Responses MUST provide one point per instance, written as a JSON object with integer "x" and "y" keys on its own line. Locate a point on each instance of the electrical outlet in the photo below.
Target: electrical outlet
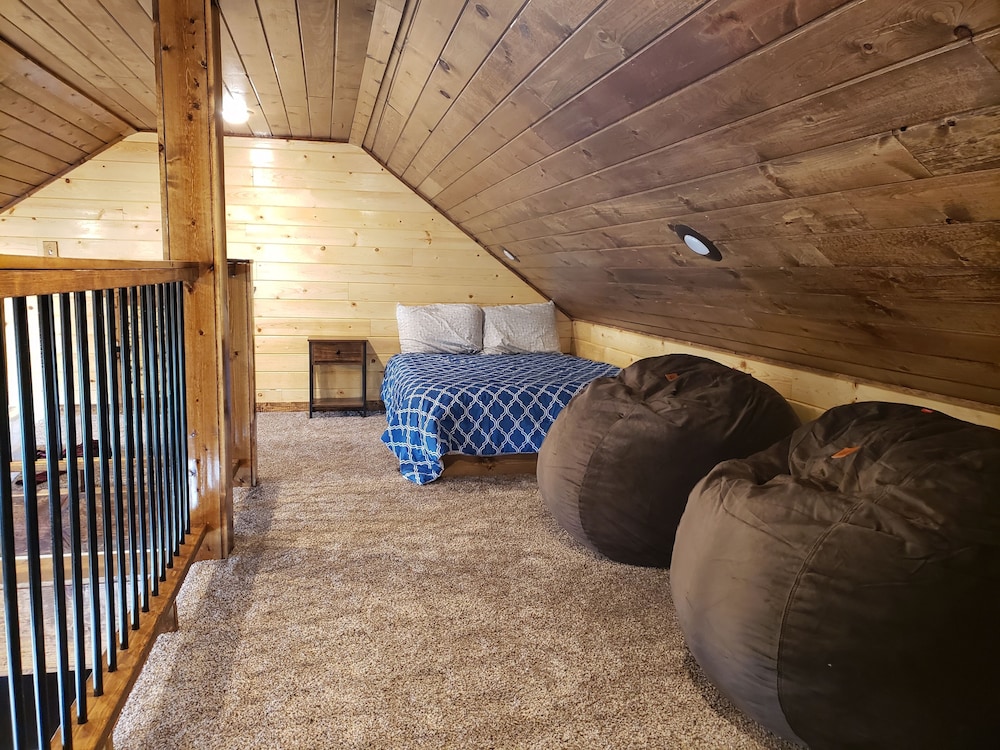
{"x": 50, "y": 248}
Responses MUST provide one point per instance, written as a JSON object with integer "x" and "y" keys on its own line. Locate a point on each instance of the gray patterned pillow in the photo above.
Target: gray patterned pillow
{"x": 440, "y": 329}
{"x": 520, "y": 329}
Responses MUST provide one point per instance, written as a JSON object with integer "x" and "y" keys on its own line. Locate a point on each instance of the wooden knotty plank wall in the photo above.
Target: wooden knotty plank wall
{"x": 336, "y": 241}
{"x": 810, "y": 392}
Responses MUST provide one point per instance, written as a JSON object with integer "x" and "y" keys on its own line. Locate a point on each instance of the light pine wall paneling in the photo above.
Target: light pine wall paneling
{"x": 336, "y": 242}
{"x": 107, "y": 207}
{"x": 809, "y": 392}
{"x": 332, "y": 260}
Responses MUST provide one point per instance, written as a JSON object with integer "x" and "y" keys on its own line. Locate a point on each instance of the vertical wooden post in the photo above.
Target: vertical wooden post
{"x": 189, "y": 86}
{"x": 244, "y": 412}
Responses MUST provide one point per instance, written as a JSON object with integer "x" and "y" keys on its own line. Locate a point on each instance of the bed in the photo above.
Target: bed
{"x": 475, "y": 404}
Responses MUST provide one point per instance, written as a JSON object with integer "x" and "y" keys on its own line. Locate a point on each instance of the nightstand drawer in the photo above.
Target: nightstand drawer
{"x": 337, "y": 351}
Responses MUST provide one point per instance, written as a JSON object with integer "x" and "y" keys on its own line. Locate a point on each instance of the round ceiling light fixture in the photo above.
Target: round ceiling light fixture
{"x": 234, "y": 109}
{"x": 697, "y": 242}
{"x": 510, "y": 255}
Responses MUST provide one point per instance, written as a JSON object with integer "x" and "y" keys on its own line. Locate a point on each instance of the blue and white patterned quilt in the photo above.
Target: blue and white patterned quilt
{"x": 476, "y": 404}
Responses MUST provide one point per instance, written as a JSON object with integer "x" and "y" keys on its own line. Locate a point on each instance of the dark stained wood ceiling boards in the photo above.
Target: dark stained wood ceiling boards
{"x": 844, "y": 155}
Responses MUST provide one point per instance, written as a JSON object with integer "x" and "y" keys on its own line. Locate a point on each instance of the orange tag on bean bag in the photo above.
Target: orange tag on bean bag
{"x": 846, "y": 452}
{"x": 672, "y": 376}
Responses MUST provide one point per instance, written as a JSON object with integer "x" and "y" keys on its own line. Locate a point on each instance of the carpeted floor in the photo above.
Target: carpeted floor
{"x": 362, "y": 611}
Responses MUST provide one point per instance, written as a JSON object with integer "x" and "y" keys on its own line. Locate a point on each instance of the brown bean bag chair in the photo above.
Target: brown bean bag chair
{"x": 843, "y": 587}
{"x": 618, "y": 463}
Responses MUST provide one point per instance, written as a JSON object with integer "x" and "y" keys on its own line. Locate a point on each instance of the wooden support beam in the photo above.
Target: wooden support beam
{"x": 189, "y": 103}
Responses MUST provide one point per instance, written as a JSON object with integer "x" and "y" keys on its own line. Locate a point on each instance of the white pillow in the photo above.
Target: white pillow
{"x": 520, "y": 329}
{"x": 440, "y": 329}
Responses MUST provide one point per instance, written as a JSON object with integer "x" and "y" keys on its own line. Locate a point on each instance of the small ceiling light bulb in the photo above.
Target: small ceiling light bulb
{"x": 509, "y": 254}
{"x": 234, "y": 110}
{"x": 697, "y": 245}
{"x": 698, "y": 242}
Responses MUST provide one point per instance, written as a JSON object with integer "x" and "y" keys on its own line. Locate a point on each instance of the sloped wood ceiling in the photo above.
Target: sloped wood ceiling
{"x": 843, "y": 155}
{"x": 77, "y": 75}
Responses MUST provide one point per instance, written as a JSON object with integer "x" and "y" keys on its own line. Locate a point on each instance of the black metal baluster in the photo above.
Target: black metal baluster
{"x": 125, "y": 363}
{"x": 54, "y": 354}
{"x": 140, "y": 451}
{"x": 177, "y": 403}
{"x": 162, "y": 414}
{"x": 170, "y": 418}
{"x": 90, "y": 489}
{"x": 182, "y": 413}
{"x": 173, "y": 439}
{"x": 73, "y": 502}
{"x": 26, "y": 407}
{"x": 118, "y": 509}
{"x": 149, "y": 409}
{"x": 104, "y": 450}
{"x": 15, "y": 692}
{"x": 50, "y": 398}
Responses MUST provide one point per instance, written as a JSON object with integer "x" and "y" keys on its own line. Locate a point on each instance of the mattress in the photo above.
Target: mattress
{"x": 476, "y": 404}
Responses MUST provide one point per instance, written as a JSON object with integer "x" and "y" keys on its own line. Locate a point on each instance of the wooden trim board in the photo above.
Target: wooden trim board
{"x": 810, "y": 392}
{"x": 457, "y": 465}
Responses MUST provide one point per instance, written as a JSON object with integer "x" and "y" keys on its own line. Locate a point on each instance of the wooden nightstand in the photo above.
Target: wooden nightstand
{"x": 338, "y": 353}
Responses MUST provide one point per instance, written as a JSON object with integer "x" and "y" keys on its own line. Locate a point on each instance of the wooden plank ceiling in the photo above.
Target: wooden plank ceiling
{"x": 77, "y": 75}
{"x": 844, "y": 155}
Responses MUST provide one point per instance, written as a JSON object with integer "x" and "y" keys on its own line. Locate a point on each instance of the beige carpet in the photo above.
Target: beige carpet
{"x": 362, "y": 611}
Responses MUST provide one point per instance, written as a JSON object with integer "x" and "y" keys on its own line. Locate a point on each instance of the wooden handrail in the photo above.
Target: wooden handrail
{"x": 40, "y": 262}
{"x": 25, "y": 275}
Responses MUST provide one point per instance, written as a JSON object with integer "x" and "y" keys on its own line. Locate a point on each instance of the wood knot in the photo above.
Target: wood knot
{"x": 963, "y": 32}
{"x": 482, "y": 11}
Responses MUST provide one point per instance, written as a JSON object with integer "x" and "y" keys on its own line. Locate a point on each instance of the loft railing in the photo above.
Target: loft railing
{"x": 95, "y": 529}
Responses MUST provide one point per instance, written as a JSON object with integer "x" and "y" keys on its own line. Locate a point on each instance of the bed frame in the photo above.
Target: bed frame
{"x": 458, "y": 465}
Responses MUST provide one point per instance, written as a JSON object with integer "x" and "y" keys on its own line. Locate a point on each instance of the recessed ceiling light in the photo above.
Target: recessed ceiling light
{"x": 698, "y": 242}
{"x": 509, "y": 254}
